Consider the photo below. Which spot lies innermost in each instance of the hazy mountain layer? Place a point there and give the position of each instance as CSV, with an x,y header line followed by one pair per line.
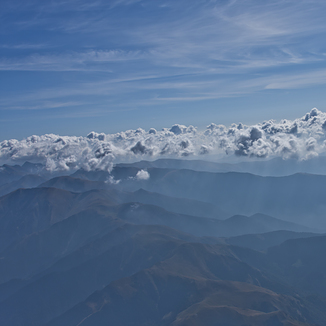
x,y
150,246
298,198
271,167
262,242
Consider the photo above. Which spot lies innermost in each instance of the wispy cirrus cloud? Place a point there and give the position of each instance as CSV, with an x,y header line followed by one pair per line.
x,y
131,53
24,46
156,90
74,61
207,35
43,106
300,80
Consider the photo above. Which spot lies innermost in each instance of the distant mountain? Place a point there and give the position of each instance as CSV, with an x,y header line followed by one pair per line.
x,y
99,175
26,211
10,173
197,165
298,198
73,252
145,245
27,181
273,167
149,214
260,223
281,167
230,193
262,242
177,205
74,184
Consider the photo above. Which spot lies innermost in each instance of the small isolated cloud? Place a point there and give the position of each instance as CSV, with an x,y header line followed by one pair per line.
x,y
112,181
142,175
301,138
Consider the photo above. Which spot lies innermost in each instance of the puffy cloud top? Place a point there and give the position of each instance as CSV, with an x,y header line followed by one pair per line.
x,y
301,138
142,175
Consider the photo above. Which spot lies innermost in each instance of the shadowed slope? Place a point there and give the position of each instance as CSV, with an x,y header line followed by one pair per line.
x,y
119,253
195,286
26,211
27,181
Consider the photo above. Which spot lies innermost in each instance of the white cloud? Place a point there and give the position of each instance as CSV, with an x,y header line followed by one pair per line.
x,y
113,181
142,175
301,138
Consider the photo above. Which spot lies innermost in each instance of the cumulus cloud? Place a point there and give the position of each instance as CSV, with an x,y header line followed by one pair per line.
x,y
142,175
301,138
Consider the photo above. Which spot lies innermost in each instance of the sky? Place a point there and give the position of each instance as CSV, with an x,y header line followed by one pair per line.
x,y
70,67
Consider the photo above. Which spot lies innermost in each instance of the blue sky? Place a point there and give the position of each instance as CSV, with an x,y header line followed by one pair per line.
x,y
73,66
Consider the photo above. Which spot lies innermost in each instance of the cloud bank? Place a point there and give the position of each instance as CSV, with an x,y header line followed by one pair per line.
x,y
302,138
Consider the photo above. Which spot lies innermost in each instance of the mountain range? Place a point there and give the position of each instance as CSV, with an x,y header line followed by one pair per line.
x,y
175,247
